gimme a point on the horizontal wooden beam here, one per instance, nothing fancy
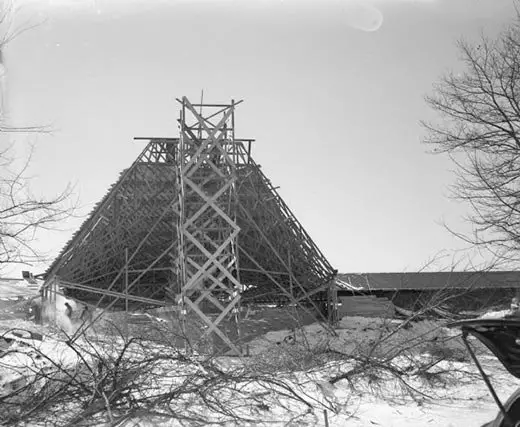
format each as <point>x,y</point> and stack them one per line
<point>119,295</point>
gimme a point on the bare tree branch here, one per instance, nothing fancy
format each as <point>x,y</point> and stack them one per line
<point>480,130</point>
<point>22,213</point>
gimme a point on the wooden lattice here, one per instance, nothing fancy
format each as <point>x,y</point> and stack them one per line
<point>206,185</point>
<point>194,224</point>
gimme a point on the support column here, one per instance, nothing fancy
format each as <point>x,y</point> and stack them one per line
<point>207,227</point>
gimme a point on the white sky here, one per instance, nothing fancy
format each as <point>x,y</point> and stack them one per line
<point>333,95</point>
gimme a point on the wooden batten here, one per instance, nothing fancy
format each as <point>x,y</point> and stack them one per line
<point>200,220</point>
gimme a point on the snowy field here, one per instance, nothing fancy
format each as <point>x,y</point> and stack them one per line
<point>306,363</point>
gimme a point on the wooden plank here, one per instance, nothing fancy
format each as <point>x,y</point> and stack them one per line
<point>214,239</point>
<point>208,321</point>
<point>222,315</point>
<point>120,295</point>
<point>282,262</point>
<point>86,227</point>
<point>284,290</point>
<point>211,257</point>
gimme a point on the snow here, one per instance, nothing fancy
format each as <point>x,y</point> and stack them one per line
<point>366,401</point>
<point>12,289</point>
<point>500,314</point>
<point>26,357</point>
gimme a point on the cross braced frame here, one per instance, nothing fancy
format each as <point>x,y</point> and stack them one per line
<point>195,225</point>
<point>207,227</point>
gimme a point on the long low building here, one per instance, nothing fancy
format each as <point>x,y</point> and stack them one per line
<point>449,291</point>
<point>430,280</point>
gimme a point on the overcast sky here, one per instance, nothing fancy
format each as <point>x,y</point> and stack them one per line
<point>333,93</point>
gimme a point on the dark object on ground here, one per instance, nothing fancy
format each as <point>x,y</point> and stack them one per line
<point>21,333</point>
<point>29,335</point>
<point>86,315</point>
<point>35,313</point>
<point>68,310</point>
<point>289,339</point>
<point>502,338</point>
<point>7,338</point>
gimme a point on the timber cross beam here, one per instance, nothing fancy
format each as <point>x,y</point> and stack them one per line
<point>194,224</point>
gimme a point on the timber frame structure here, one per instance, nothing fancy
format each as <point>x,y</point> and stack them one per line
<point>194,223</point>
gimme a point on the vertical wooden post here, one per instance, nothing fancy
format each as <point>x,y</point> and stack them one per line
<point>290,271</point>
<point>126,290</point>
<point>54,302</point>
<point>207,227</point>
<point>326,416</point>
<point>333,303</point>
<point>126,280</point>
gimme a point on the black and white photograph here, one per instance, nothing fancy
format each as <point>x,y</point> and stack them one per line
<point>260,213</point>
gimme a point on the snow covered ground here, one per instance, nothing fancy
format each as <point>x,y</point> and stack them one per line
<point>367,400</point>
<point>464,400</point>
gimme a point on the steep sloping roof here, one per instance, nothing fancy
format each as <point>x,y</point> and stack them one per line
<point>431,280</point>
<point>139,213</point>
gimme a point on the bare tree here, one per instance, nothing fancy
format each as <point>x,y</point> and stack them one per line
<point>22,213</point>
<point>480,130</point>
<point>112,379</point>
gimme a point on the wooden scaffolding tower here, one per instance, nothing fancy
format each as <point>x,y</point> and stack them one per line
<point>194,224</point>
<point>207,228</point>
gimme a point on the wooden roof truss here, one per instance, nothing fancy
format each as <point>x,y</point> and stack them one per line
<point>195,223</point>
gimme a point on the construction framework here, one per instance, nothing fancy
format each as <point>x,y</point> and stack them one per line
<point>193,223</point>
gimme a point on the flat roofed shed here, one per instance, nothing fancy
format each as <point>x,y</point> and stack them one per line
<point>429,280</point>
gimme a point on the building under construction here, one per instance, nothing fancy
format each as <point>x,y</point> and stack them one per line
<point>194,224</point>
